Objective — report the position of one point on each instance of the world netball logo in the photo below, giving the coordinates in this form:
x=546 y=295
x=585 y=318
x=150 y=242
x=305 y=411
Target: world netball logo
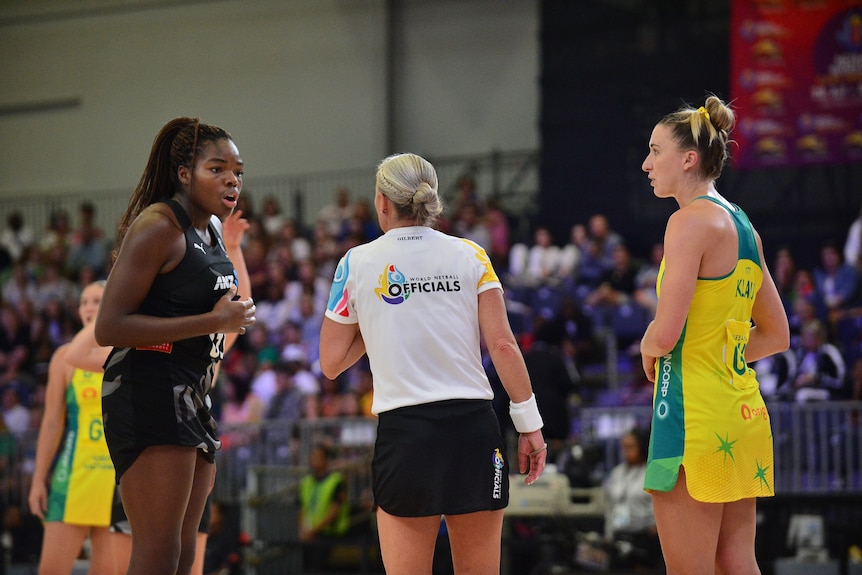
x=391 y=286
x=498 y=463
x=498 y=458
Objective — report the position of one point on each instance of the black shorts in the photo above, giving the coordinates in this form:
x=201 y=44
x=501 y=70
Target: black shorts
x=148 y=409
x=446 y=457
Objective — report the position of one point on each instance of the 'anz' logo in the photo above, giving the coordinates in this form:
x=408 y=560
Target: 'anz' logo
x=223 y=282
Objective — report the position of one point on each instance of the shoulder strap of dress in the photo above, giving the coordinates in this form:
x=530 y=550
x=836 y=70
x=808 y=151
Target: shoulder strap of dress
x=182 y=217
x=713 y=200
x=747 y=244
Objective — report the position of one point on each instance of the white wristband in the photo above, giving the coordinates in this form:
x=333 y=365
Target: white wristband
x=525 y=415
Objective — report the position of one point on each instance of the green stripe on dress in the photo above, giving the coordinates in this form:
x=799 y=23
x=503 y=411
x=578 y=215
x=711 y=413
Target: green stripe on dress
x=667 y=437
x=62 y=475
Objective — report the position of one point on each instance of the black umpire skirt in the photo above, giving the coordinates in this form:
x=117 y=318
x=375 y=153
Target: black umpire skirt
x=446 y=457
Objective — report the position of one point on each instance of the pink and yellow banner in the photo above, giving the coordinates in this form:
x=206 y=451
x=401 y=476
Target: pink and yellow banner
x=796 y=82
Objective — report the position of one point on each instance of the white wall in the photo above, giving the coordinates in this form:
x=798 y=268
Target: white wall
x=468 y=76
x=300 y=84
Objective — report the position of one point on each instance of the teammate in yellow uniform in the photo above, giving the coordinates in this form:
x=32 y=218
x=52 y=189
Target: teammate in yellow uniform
x=82 y=484
x=710 y=450
x=73 y=481
x=720 y=433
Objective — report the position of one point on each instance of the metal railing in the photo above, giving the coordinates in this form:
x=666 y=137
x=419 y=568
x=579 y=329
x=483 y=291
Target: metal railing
x=818 y=448
x=288 y=444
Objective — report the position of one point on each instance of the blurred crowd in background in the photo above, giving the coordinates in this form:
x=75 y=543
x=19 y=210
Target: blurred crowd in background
x=569 y=298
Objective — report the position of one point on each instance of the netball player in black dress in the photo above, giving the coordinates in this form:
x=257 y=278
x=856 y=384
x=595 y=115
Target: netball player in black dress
x=167 y=305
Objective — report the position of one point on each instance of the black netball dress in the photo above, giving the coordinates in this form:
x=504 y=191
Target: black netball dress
x=155 y=395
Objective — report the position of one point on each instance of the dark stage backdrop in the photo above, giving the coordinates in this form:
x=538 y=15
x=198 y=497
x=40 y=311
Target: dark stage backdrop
x=610 y=70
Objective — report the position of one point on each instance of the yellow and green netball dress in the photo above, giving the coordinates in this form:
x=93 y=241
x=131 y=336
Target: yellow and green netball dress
x=82 y=484
x=708 y=414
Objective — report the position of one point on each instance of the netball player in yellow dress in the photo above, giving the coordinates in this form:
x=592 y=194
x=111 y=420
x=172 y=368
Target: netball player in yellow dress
x=718 y=310
x=72 y=487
